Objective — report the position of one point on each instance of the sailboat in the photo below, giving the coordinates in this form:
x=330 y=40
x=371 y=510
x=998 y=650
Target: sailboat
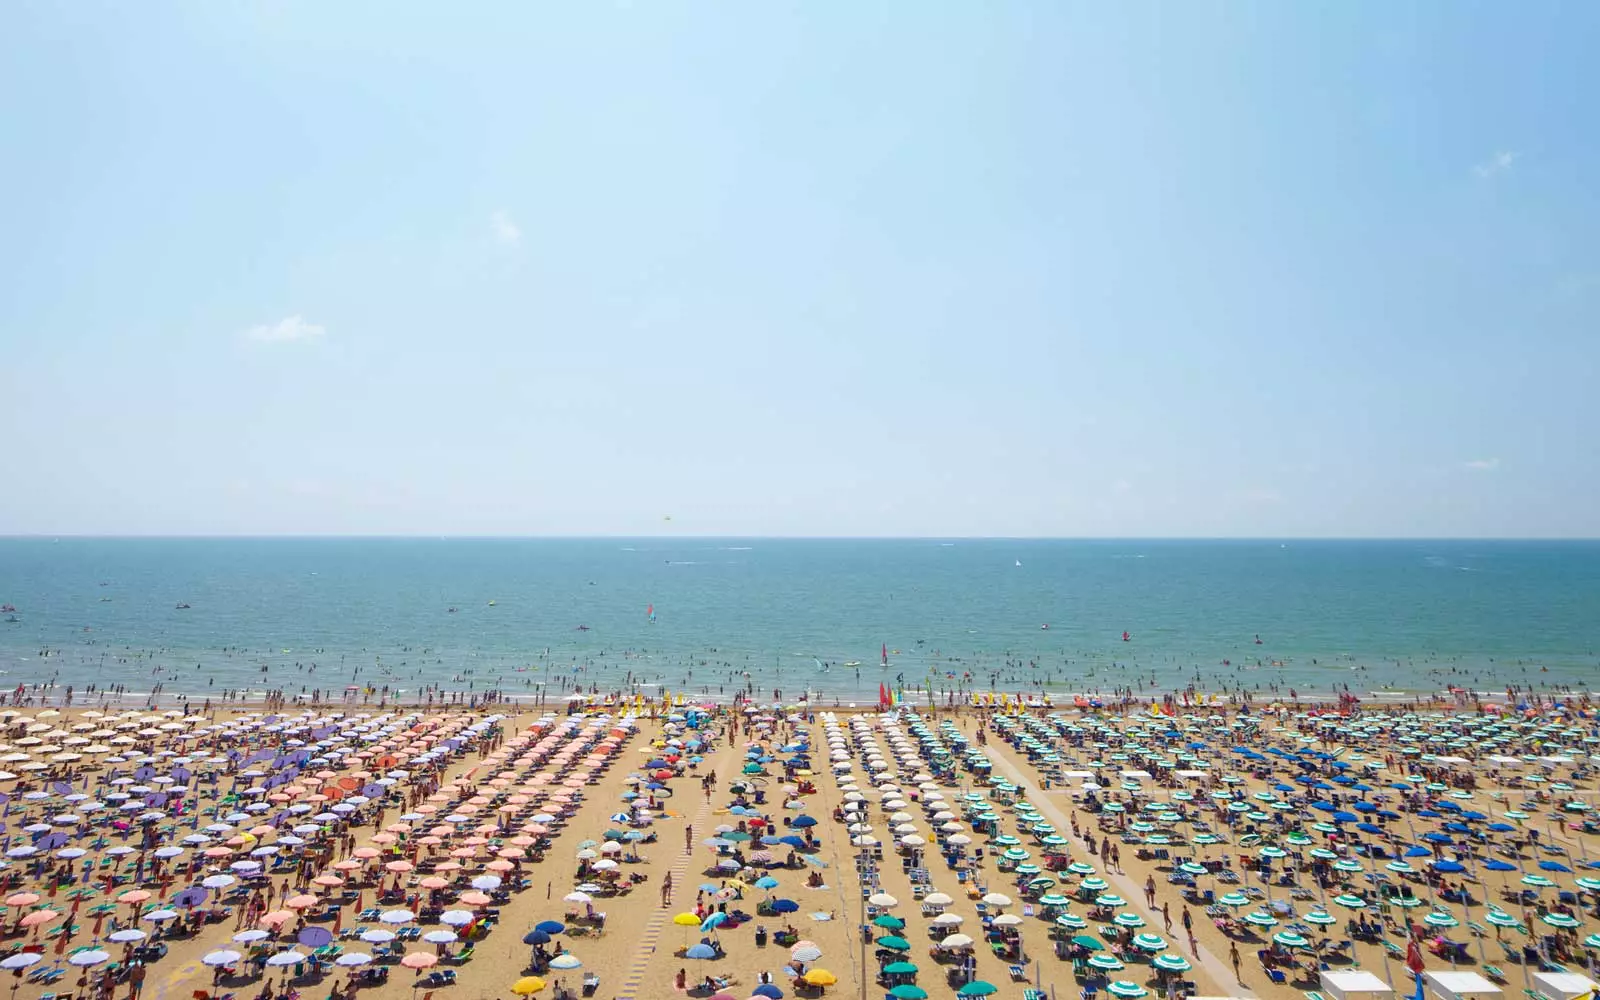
x=650 y=613
x=885 y=661
x=1019 y=562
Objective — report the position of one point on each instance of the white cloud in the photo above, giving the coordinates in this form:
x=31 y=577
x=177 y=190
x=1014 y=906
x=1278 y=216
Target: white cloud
x=505 y=229
x=1499 y=163
x=1482 y=464
x=285 y=330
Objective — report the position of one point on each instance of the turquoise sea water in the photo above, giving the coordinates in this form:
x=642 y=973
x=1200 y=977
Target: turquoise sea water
x=1412 y=615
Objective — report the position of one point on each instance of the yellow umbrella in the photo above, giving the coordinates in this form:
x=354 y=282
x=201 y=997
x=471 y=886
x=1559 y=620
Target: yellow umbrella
x=527 y=985
x=686 y=920
x=820 y=977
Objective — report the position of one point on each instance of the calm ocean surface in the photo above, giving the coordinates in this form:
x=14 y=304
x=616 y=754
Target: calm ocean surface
x=1411 y=615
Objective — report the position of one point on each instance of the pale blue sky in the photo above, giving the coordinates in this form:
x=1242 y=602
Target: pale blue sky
x=834 y=268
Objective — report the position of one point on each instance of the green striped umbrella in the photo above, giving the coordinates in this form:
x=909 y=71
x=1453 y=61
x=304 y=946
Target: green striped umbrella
x=1128 y=919
x=1273 y=852
x=1592 y=941
x=1172 y=963
x=1500 y=918
x=1538 y=881
x=1079 y=868
x=1126 y=990
x=1149 y=942
x=1322 y=918
x=1190 y=868
x=1289 y=939
x=1105 y=960
x=1054 y=899
x=1591 y=884
x=1110 y=900
x=1234 y=899
x=1560 y=920
x=1323 y=854
x=1439 y=918
x=1347 y=865
x=1298 y=839
x=1072 y=922
x=1260 y=918
x=1094 y=884
x=1207 y=838
x=1014 y=854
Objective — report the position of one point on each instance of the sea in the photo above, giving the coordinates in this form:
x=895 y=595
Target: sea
x=834 y=618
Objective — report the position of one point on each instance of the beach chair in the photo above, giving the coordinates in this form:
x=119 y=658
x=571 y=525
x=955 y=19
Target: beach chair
x=1494 y=973
x=1313 y=995
x=1018 y=973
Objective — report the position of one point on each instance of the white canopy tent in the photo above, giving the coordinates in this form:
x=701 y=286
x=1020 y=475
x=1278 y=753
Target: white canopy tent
x=1563 y=985
x=1458 y=985
x=1344 y=984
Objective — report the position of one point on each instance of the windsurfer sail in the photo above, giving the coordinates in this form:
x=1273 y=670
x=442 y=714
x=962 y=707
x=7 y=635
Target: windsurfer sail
x=885 y=661
x=650 y=613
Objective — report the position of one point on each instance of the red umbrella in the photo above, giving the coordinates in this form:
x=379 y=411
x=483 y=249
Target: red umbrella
x=1414 y=957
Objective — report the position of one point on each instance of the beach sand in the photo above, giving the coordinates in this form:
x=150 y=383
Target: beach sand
x=639 y=952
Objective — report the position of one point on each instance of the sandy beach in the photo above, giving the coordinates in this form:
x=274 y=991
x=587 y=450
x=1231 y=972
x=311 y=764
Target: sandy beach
x=772 y=851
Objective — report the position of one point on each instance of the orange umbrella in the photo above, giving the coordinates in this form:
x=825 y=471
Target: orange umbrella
x=419 y=960
x=304 y=901
x=276 y=918
x=133 y=896
x=22 y=899
x=39 y=918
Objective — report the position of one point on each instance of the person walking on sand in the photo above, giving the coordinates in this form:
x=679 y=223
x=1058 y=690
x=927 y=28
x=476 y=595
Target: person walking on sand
x=688 y=839
x=666 y=890
x=1166 y=915
x=1233 y=956
x=1150 y=891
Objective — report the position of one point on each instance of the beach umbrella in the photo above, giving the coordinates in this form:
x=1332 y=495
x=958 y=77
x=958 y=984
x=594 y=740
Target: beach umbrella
x=805 y=953
x=819 y=977
x=908 y=991
x=1500 y=918
x=527 y=986
x=1149 y=942
x=290 y=957
x=1105 y=960
x=1289 y=939
x=1127 y=990
x=1560 y=920
x=1439 y=918
x=132 y=934
x=1350 y=902
x=976 y=988
x=1321 y=918
x=1260 y=918
x=767 y=990
x=1171 y=962
x=21 y=960
x=88 y=957
x=686 y=920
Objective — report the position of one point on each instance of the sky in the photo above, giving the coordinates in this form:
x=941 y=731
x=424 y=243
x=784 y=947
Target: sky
x=881 y=269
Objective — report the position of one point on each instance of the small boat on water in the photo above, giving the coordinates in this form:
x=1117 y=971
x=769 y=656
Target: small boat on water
x=7 y=608
x=182 y=607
